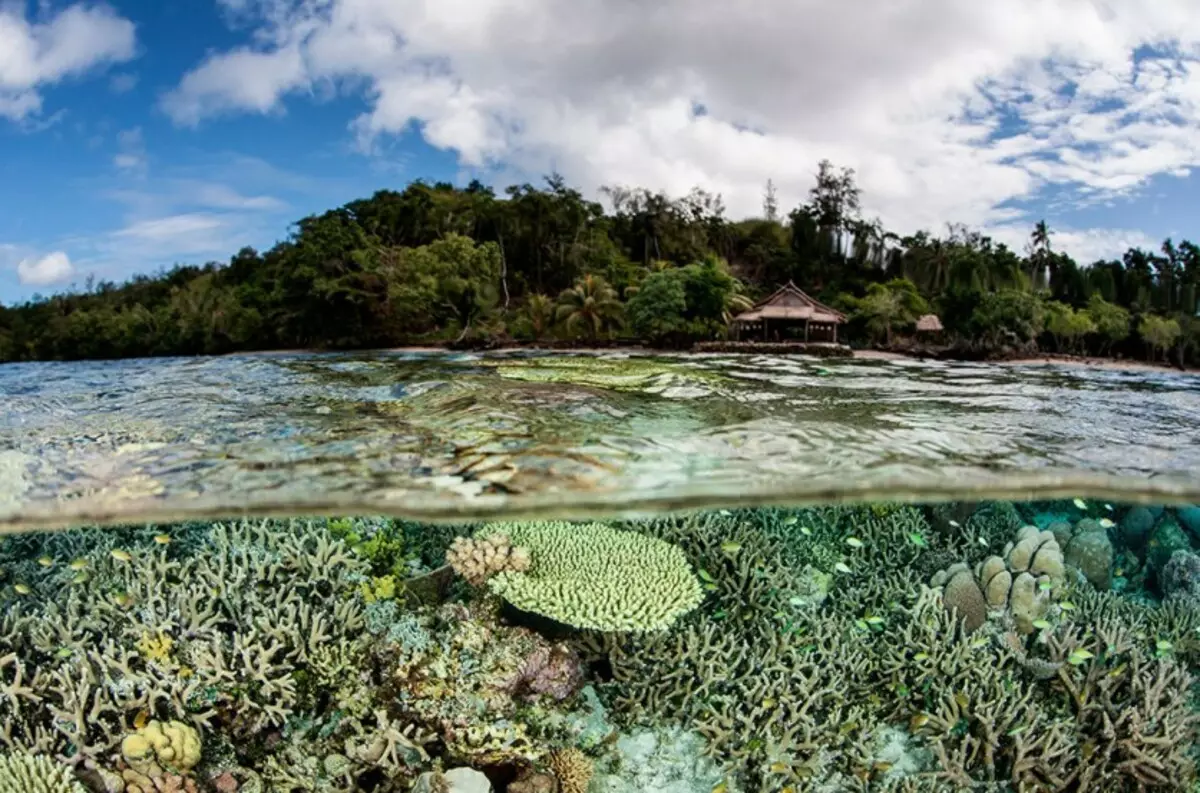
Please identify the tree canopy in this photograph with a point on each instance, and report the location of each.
(440, 263)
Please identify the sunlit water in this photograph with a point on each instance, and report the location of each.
(435, 436)
(1008, 598)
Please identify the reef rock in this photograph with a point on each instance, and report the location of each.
(1167, 538)
(1136, 526)
(1181, 575)
(1090, 551)
(1189, 518)
(466, 780)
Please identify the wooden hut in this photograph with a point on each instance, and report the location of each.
(781, 316)
(928, 326)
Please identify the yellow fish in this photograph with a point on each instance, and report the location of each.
(123, 599)
(162, 539)
(792, 521)
(854, 542)
(841, 567)
(730, 547)
(1067, 605)
(79, 578)
(1080, 504)
(1079, 656)
(78, 564)
(122, 556)
(921, 657)
(806, 531)
(22, 589)
(45, 561)
(1041, 624)
(1107, 523)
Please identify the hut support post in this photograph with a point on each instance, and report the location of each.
(806, 331)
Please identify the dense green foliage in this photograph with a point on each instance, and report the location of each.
(435, 263)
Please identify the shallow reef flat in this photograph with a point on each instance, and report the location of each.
(1047, 646)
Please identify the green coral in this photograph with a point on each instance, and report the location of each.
(28, 773)
(598, 577)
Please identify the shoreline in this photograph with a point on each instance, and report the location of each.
(1047, 359)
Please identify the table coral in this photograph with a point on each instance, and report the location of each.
(598, 577)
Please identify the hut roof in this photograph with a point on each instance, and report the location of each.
(930, 323)
(790, 302)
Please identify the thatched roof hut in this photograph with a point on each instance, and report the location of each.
(929, 323)
(789, 305)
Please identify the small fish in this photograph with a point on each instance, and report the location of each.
(79, 578)
(806, 531)
(730, 547)
(22, 589)
(1018, 730)
(1109, 507)
(861, 625)
(921, 657)
(796, 600)
(874, 620)
(791, 521)
(1163, 646)
(705, 576)
(1077, 657)
(1120, 670)
(78, 564)
(768, 703)
(955, 524)
(1107, 523)
(1041, 625)
(1067, 605)
(779, 768)
(1120, 571)
(1080, 504)
(185, 672)
(882, 766)
(854, 542)
(123, 599)
(140, 720)
(841, 567)
(45, 561)
(918, 721)
(962, 699)
(1045, 586)
(721, 787)
(983, 541)
(725, 512)
(64, 652)
(162, 539)
(917, 539)
(122, 556)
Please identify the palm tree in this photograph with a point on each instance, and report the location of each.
(539, 310)
(591, 302)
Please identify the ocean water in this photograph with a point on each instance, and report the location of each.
(607, 573)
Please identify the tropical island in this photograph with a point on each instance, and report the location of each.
(467, 268)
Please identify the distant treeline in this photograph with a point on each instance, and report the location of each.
(436, 263)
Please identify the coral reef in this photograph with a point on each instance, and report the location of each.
(572, 768)
(595, 576)
(479, 558)
(26, 773)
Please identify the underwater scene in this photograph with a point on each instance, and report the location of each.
(597, 574)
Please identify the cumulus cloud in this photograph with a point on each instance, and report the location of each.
(946, 109)
(41, 52)
(53, 268)
(131, 154)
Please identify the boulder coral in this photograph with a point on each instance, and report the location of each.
(1090, 551)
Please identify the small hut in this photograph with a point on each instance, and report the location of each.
(782, 315)
(929, 326)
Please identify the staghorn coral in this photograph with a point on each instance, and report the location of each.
(27, 773)
(598, 577)
(479, 558)
(213, 630)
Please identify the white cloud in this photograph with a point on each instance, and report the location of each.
(171, 227)
(38, 53)
(53, 268)
(911, 94)
(123, 83)
(1086, 246)
(132, 150)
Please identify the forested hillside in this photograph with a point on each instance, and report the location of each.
(436, 263)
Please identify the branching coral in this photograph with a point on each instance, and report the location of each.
(26, 773)
(479, 558)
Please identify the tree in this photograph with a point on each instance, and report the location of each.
(1159, 333)
(770, 203)
(891, 306)
(1067, 326)
(1112, 322)
(591, 303)
(539, 313)
(657, 312)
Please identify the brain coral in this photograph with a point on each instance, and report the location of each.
(595, 576)
(27, 773)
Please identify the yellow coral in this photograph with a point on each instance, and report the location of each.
(573, 769)
(156, 647)
(158, 747)
(379, 588)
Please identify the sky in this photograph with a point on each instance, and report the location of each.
(137, 134)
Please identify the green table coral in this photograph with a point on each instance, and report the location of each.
(595, 576)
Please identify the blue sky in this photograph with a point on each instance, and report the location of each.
(137, 134)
